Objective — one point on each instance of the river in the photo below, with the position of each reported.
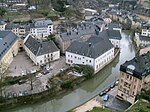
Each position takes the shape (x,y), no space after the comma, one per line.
(86,90)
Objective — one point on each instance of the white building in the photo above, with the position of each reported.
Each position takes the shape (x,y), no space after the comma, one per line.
(41,28)
(41,52)
(146,30)
(2,25)
(96,52)
(143,39)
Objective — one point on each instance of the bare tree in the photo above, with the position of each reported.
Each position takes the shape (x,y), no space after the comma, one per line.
(3,74)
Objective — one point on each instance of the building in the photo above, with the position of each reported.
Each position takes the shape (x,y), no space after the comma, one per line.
(114,26)
(89,12)
(82,32)
(133,75)
(146,30)
(96,52)
(41,52)
(144,49)
(41,28)
(143,39)
(2,25)
(17,29)
(8,47)
(114,36)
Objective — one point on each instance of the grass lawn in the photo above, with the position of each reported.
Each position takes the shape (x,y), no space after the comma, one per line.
(140,106)
(97,109)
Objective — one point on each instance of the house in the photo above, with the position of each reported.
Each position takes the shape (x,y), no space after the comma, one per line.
(144,49)
(8,47)
(96,52)
(133,75)
(115,37)
(143,38)
(114,26)
(89,12)
(146,30)
(82,32)
(41,52)
(2,25)
(41,28)
(17,29)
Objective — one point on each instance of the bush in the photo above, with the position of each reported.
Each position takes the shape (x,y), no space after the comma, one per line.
(87,70)
(67,85)
(2,99)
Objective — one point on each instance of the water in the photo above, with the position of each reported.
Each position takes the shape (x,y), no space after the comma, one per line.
(86,90)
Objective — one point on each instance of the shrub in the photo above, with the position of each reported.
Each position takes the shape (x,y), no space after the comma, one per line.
(67,85)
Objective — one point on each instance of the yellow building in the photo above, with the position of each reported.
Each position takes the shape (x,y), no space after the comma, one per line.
(8,47)
(133,75)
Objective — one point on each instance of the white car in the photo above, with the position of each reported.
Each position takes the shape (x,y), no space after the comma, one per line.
(39,75)
(23,73)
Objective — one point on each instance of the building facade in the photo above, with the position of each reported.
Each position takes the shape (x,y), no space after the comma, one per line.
(96,52)
(41,52)
(2,25)
(8,47)
(41,28)
(133,75)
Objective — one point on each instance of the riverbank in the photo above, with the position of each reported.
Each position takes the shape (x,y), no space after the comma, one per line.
(49,94)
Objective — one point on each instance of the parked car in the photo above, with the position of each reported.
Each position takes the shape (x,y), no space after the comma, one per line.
(45,72)
(23,73)
(116,83)
(39,75)
(107,90)
(21,82)
(112,86)
(106,97)
(33,71)
(102,93)
(20,93)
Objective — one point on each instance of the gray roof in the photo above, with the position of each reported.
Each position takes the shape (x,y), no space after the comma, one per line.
(141,65)
(113,25)
(7,39)
(114,34)
(80,30)
(42,48)
(41,23)
(2,22)
(11,26)
(144,38)
(92,48)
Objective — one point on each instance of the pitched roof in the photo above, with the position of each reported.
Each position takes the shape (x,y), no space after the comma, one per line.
(138,67)
(113,25)
(7,39)
(144,38)
(41,23)
(38,48)
(114,34)
(80,30)
(2,22)
(92,48)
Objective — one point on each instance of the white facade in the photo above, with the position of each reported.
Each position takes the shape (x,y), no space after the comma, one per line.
(42,32)
(115,42)
(97,64)
(145,32)
(42,59)
(2,27)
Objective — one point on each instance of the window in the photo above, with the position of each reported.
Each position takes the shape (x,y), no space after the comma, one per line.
(127,76)
(90,61)
(41,61)
(75,57)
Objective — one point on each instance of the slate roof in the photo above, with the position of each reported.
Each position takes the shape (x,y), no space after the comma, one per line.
(41,23)
(92,48)
(2,22)
(80,30)
(141,64)
(113,25)
(144,38)
(42,48)
(114,34)
(7,39)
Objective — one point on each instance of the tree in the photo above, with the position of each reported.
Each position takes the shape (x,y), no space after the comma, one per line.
(3,74)
(2,11)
